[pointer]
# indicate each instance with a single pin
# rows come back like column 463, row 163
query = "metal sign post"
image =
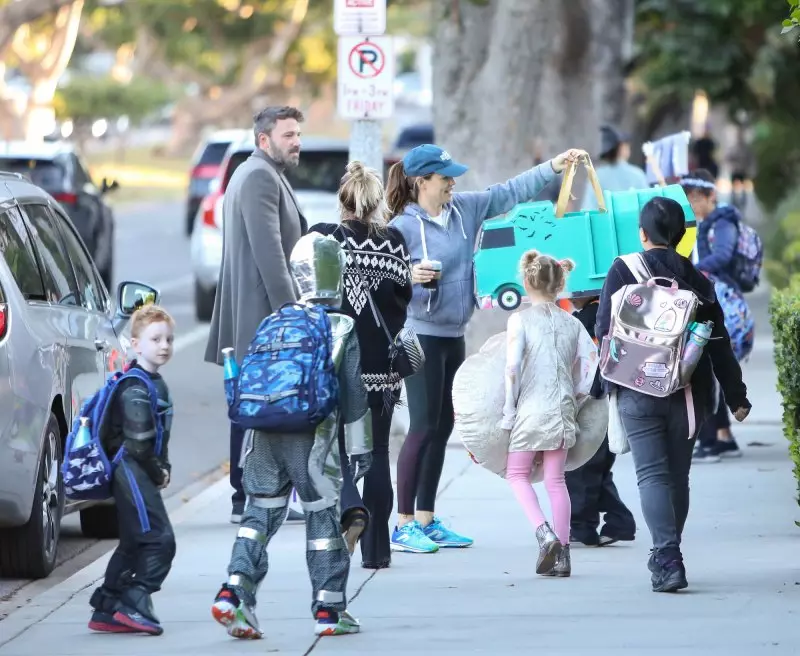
column 365, row 76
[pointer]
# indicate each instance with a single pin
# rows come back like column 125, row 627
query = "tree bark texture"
column 16, row 14
column 511, row 73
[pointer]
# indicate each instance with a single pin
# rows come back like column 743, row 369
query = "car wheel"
column 509, row 298
column 30, row 551
column 203, row 302
column 100, row 522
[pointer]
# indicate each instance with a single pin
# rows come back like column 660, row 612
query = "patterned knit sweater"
column 385, row 263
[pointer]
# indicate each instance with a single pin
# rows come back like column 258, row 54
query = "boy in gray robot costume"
column 275, row 463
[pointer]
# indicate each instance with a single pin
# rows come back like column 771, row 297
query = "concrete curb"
column 48, row 602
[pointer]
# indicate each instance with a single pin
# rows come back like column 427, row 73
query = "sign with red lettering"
column 366, row 77
column 359, row 17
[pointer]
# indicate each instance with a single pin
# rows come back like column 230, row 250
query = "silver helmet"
column 317, row 265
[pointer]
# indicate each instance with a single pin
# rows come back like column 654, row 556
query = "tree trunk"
column 512, row 73
column 44, row 71
column 16, row 14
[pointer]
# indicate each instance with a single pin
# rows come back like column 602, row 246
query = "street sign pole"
column 366, row 69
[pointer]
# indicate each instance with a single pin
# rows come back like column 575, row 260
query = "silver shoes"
column 550, row 549
column 563, row 566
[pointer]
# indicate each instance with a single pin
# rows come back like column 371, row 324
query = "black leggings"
column 430, row 406
column 378, row 494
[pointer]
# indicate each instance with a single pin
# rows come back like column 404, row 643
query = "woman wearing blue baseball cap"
column 440, row 228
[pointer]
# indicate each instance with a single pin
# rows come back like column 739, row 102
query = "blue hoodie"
column 445, row 311
column 717, row 237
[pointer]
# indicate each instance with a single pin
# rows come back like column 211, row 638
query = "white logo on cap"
column 445, row 156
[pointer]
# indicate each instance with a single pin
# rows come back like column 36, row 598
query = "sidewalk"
column 741, row 549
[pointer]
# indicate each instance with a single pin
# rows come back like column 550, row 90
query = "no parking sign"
column 366, row 77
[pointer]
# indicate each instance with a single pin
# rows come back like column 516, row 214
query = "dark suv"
column 57, row 168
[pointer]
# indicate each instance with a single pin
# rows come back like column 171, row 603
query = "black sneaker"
column 667, row 571
column 726, row 449
column 703, row 455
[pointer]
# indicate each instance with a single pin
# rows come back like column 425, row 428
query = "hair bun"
column 567, row 264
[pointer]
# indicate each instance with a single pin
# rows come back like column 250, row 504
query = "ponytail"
column 399, row 190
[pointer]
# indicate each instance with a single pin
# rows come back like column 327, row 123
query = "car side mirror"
column 108, row 185
column 132, row 295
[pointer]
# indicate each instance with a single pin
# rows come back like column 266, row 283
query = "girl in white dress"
column 550, row 365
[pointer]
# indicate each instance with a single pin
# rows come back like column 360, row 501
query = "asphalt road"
column 151, row 247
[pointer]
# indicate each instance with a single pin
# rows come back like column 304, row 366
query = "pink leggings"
column 518, row 473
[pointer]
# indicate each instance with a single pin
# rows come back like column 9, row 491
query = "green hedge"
column 784, row 309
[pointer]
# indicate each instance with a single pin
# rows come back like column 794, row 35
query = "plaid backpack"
column 747, row 258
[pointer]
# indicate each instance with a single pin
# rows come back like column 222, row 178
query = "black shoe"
column 725, row 449
column 587, row 540
column 609, row 538
column 668, row 573
column 378, row 564
column 136, row 612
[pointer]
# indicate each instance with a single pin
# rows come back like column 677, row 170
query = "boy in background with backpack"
column 288, row 444
column 135, row 433
column 729, row 252
column 591, row 487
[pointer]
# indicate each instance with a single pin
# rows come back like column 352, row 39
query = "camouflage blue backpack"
column 287, row 381
column 87, row 469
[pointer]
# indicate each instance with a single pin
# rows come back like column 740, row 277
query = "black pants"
column 430, row 406
column 349, row 498
column 708, row 432
column 235, row 475
column 378, row 492
column 146, row 547
column 592, row 491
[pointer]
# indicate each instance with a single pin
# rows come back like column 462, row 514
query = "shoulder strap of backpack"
column 637, row 266
column 153, row 393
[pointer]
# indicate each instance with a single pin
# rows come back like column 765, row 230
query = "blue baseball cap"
column 427, row 159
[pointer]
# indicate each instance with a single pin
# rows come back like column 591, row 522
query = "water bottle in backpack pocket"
column 87, row 470
column 287, row 381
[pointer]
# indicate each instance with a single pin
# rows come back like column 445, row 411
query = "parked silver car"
column 60, row 335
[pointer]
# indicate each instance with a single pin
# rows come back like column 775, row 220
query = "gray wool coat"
column 262, row 222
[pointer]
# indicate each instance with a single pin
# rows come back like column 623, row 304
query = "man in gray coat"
column 262, row 222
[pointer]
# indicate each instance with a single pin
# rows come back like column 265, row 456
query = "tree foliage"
column 87, row 98
column 794, row 17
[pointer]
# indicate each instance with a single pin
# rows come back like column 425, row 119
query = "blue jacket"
column 445, row 311
column 717, row 237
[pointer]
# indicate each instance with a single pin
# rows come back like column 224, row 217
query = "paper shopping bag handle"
column 566, row 186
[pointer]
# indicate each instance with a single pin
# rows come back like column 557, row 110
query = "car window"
column 17, row 250
column 59, row 279
column 213, row 153
column 79, row 173
column 44, row 173
column 319, row 170
column 92, row 297
column 233, row 163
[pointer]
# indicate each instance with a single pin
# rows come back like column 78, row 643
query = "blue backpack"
column 87, row 470
column 287, row 382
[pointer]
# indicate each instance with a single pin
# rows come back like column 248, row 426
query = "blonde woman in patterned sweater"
column 377, row 253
